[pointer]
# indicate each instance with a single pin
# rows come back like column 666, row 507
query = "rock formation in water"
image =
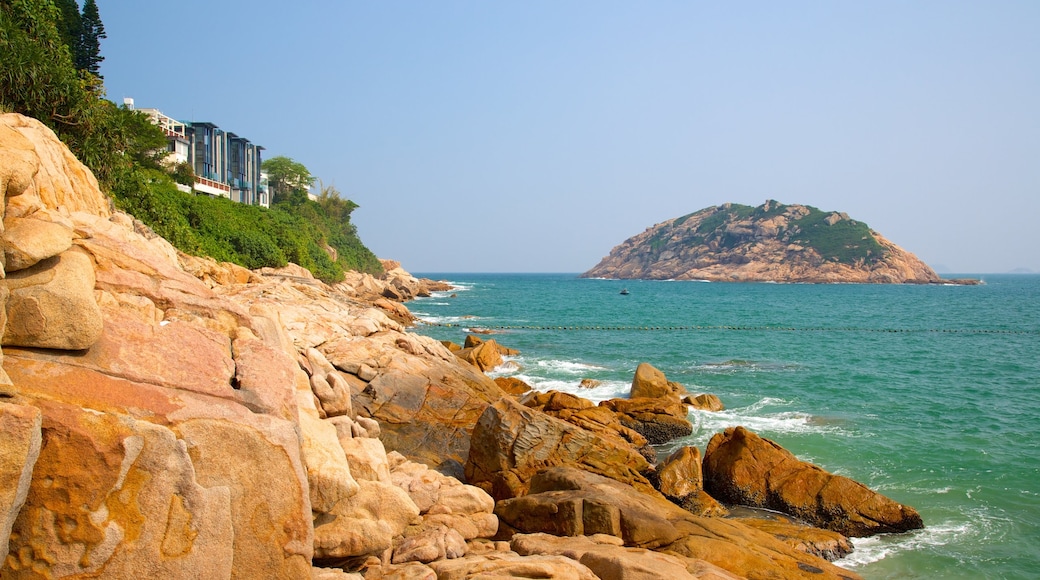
column 742, row 468
column 169, row 416
column 769, row 243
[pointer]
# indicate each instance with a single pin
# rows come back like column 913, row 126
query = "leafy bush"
column 152, row 197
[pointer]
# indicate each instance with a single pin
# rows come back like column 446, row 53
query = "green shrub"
column 846, row 241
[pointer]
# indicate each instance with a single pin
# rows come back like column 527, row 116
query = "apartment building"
column 225, row 164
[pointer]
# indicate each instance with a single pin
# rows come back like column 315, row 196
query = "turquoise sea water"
column 929, row 394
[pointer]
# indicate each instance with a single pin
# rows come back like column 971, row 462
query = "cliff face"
column 769, row 243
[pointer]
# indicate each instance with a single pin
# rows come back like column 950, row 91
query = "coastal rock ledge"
column 773, row 242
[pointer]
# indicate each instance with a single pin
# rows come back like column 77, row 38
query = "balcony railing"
column 214, row 184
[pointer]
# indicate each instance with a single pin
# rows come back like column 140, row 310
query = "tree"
column 88, row 54
column 336, row 207
column 288, row 179
column 38, row 79
column 69, row 24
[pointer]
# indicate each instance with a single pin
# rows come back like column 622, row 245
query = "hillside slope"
column 769, row 243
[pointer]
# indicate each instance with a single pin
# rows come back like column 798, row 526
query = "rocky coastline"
column 170, row 416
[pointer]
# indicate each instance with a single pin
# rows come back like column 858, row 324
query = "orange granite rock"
column 742, row 468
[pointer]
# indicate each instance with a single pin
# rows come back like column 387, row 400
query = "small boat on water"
column 624, row 291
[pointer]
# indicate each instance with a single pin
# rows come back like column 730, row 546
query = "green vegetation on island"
column 49, row 59
column 844, row 240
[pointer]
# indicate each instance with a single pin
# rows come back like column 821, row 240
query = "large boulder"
column 742, row 468
column 272, row 532
column 51, row 177
column 679, row 478
column 650, row 382
column 512, row 443
column 705, row 402
column 583, row 413
column 659, row 419
column 427, row 416
column 52, row 304
column 27, row 241
column 512, row 385
column 484, row 355
column 328, row 472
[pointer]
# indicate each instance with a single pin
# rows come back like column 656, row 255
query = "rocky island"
column 773, row 242
column 169, row 416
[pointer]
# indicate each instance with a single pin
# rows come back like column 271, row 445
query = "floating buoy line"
column 732, row 328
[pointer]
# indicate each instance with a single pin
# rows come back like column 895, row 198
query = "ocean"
column 928, row 394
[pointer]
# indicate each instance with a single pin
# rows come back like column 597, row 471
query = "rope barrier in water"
column 731, row 328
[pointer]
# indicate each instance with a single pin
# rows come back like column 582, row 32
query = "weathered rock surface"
column 511, row 565
column 20, row 441
column 659, row 419
column 27, row 241
column 610, row 559
column 705, row 402
column 742, row 468
column 567, row 501
column 433, row 543
column 649, row 382
column 827, row 544
column 444, row 501
column 512, row 385
column 52, row 304
column 597, row 419
column 512, row 443
column 49, row 177
column 773, row 242
column 113, row 494
column 679, row 479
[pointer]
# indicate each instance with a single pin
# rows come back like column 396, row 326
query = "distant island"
column 773, row 242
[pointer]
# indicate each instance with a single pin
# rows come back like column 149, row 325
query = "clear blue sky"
column 533, row 136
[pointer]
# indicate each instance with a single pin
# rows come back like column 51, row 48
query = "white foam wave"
column 760, row 418
column 876, row 548
column 567, row 366
column 443, row 319
column 761, row 404
column 604, row 391
column 734, row 366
